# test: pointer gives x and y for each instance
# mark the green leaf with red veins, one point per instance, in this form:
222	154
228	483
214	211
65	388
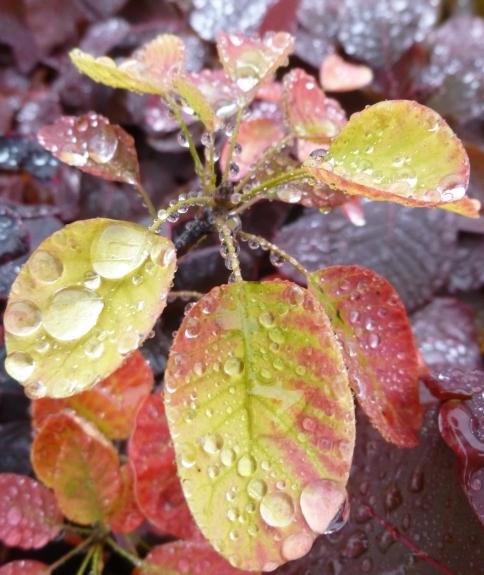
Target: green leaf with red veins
398	151
29	516
249	61
25	567
111	405
255	137
86	298
150	70
379	350
262	418
338	75
93	145
311	115
187	558
127	515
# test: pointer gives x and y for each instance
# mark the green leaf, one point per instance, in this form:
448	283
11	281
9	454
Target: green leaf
196	100
86	298
150	70
262	418
397	151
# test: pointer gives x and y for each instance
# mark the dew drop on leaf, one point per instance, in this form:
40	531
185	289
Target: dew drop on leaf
277	509
45	267
19	365
22	318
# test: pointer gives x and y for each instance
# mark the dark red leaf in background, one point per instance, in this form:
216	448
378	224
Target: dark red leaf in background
24	567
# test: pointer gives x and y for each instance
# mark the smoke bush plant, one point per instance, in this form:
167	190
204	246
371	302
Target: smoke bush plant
259	385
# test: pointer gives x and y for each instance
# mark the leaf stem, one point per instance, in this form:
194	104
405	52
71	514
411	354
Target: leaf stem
266	244
164	214
227	240
264	187
97	563
85	563
232	142
73	552
146	199
136	561
185	294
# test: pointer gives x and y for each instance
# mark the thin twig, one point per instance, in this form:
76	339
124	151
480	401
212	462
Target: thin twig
85	563
148	203
73	552
232	142
165	213
228	240
264	187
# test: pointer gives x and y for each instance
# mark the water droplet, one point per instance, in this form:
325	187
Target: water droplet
14	516
19	365
188	455
212	443
233	366
119	250
277	509
340	519
295	295
192	327
45	267
246	466
227	456
297	545
72	313
320	500
35	390
128	341
22	318
102	145
94	348
92	281
266	319
256	489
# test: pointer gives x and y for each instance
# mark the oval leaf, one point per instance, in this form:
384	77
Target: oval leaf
396	151
187	558
157	487
250	61
196	101
262	419
24	567
87	297
127	515
29	516
149	70
379	350
111	405
93	145
338	75
219	91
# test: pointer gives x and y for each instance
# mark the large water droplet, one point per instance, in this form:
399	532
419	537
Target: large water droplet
19	365
45	267
102	145
73	312
320	501
257	488
212	443
277	509
233	366
118	251
297	545
246	466
22	318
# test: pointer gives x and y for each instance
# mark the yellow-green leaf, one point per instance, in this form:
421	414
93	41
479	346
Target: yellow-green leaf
398	151
195	100
262	418
87	297
149	70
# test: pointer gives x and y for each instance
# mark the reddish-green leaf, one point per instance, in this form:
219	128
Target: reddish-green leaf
149	70
398	151
29	516
187	558
262	418
111	405
24	567
219	91
85	299
157	487
338	75
310	114
127	516
93	145
250	61
379	350
196	101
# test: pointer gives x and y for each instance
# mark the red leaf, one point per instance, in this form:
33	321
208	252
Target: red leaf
24	567
29	516
93	145
127	516
157	487
188	558
380	353
338	75
111	405
282	15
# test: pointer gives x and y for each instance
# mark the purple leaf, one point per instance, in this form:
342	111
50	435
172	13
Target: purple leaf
467	271
454	382
14	239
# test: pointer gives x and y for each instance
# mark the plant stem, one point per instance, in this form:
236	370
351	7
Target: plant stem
228	241
72	553
265	244
97	563
85	563
172	209
232	142
185	294
210	167
136	561
284	178
148	203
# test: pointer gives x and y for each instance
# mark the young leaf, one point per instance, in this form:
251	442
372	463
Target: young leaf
380	353
127	516
85	299
310	114
250	61
111	405
157	487
219	91
93	145
25	567
262	418
397	151
196	101
72	457
150	70
187	558
338	75
29	516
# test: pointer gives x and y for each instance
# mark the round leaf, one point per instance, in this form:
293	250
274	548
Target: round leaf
262	418
378	346
397	151
338	75
29	516
87	297
24	567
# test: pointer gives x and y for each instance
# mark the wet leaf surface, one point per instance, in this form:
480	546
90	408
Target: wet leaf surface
126	516
24	567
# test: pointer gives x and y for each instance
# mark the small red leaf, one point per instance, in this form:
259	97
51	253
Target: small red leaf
219	90
188	558
338	75
24	567
93	145
112	404
157	487
380	353
29	516
127	516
